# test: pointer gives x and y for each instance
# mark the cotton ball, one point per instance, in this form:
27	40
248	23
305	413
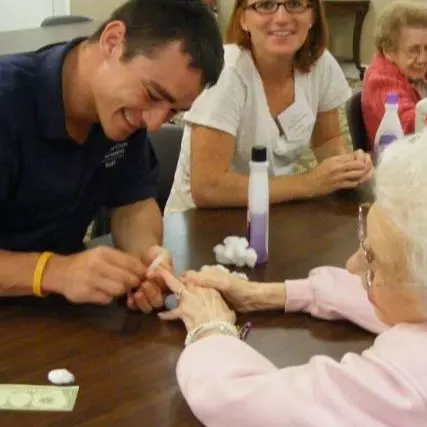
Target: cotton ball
240	256
221	259
60	376
218	249
229	254
231	240
235	251
243	241
219	254
240	262
251	257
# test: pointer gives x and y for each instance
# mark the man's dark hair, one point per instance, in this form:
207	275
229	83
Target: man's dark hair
151	24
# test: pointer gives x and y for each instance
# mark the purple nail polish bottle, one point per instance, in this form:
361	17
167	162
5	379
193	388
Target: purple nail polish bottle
258	203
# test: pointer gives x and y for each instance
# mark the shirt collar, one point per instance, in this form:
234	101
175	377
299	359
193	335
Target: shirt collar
50	105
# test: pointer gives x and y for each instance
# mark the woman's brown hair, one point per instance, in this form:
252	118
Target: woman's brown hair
310	51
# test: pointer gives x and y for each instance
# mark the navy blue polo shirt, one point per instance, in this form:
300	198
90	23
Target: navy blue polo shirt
51	187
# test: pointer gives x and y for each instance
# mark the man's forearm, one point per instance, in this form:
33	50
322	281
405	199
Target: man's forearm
16	273
137	227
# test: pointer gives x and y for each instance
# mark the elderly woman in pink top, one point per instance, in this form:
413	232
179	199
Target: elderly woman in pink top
383	289
400	65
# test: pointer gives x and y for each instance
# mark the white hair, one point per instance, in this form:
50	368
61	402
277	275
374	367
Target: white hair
401	191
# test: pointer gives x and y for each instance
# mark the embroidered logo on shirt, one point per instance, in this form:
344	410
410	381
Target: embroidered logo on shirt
116	152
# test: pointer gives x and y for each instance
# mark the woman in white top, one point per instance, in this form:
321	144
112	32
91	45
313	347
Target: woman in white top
280	88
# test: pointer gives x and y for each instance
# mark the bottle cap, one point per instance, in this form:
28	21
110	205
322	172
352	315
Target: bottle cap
259	153
391	98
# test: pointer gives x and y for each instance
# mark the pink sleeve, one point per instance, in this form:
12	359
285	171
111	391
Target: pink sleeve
228	384
333	293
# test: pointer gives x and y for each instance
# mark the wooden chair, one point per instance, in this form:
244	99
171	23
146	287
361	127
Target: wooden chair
356	125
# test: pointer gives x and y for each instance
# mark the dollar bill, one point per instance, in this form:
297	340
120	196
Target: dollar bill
17	397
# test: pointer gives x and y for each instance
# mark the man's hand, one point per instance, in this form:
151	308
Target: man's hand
151	292
94	276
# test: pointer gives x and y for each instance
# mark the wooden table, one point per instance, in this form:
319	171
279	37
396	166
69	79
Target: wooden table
360	7
19	41
124	363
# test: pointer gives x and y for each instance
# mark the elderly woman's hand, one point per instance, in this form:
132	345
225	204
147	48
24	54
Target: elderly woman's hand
242	295
196	305
239	293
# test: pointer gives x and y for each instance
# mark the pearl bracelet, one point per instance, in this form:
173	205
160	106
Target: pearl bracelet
226	328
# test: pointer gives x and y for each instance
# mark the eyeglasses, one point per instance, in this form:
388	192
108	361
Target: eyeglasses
269	7
363	214
414	52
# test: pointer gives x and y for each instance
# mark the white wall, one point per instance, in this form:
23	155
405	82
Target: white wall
96	9
21	14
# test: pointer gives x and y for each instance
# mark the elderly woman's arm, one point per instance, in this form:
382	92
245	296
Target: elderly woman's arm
333	293
228	384
328	293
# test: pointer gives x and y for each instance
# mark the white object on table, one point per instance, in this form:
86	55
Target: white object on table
235	250
60	376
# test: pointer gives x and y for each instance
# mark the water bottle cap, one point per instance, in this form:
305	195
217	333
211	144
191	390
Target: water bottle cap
391	98
259	153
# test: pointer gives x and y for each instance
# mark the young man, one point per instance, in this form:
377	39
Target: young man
73	120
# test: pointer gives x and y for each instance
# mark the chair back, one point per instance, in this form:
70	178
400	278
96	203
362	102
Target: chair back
356	125
167	146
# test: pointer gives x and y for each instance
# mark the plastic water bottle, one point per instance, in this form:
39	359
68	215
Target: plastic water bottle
421	115
258	203
390	127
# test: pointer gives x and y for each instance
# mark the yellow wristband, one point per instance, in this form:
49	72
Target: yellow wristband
38	273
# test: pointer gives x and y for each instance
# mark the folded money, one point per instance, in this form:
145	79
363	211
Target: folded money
19	397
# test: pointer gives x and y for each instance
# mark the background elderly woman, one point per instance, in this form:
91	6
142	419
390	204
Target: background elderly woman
384	289
400	65
281	88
